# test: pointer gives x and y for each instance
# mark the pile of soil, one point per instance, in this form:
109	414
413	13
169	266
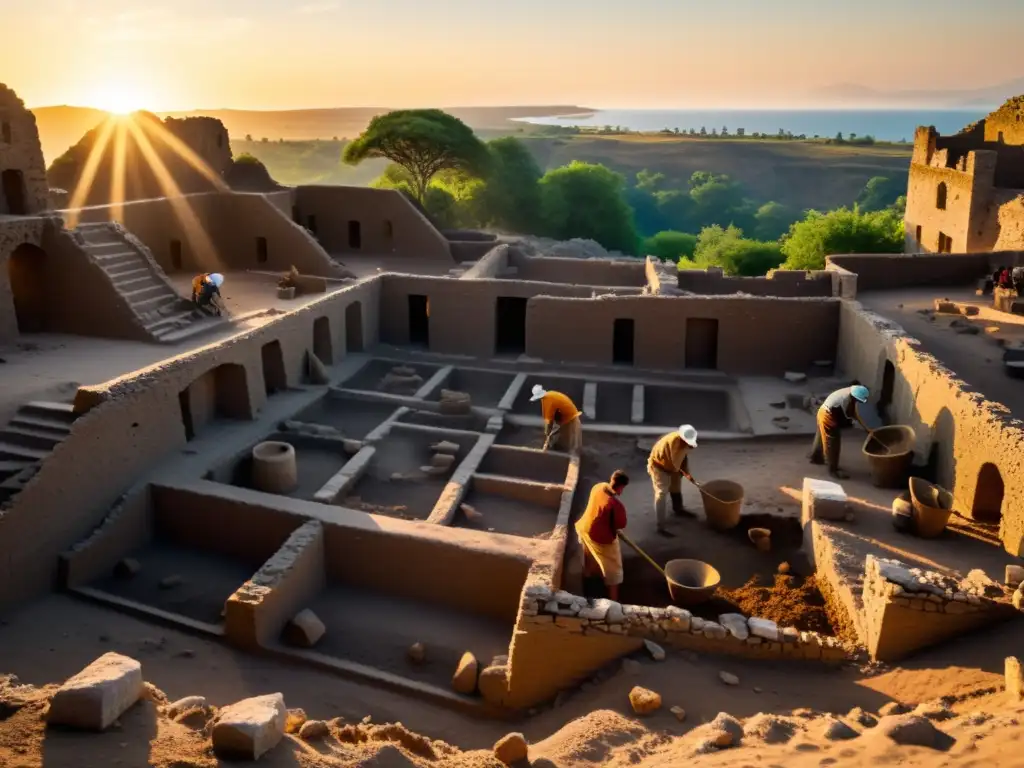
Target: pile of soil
792	601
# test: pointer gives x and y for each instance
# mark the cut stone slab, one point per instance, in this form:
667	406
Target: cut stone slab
823	500
98	695
465	677
304	630
249	728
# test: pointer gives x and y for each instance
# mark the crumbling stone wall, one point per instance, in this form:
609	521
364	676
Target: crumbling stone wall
883	271
20	153
779	282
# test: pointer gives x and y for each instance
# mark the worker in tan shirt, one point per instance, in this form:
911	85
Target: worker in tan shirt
561	420
667	465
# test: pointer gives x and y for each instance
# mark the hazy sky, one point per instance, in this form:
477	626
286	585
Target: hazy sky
273	54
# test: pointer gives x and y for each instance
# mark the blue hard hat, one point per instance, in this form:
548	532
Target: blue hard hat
859	393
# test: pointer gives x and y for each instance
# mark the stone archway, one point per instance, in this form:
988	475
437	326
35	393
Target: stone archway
26	271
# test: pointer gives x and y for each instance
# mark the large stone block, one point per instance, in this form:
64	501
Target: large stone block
823	500
99	694
249	728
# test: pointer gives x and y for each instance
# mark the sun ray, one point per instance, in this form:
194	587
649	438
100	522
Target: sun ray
118	173
92	163
185	152
198	239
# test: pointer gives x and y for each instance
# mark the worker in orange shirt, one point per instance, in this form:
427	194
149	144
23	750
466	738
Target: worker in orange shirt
561	420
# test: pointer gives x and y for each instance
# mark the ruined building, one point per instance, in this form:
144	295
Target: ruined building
966	191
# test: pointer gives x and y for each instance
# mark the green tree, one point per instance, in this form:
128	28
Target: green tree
881	192
449	200
588	200
424	142
736	255
670	246
772	221
844	230
718	200
510	199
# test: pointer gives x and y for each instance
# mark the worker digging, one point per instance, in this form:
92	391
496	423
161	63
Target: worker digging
206	292
667	465
838	412
598	532
561	420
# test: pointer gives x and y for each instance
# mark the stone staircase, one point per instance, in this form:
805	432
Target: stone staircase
136	276
27	439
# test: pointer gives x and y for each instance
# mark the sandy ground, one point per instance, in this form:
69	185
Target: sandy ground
55	637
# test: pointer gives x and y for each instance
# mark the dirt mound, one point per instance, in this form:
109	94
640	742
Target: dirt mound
593	738
791	601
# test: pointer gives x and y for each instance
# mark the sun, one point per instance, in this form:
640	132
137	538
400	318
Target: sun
118	98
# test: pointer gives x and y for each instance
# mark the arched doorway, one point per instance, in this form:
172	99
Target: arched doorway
12	184
988	496
888	388
26	270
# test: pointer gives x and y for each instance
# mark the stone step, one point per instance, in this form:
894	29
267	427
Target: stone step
195	328
106	247
118	255
29	437
170	322
9	451
136	281
145	292
148	305
64	412
55	425
118	269
10	468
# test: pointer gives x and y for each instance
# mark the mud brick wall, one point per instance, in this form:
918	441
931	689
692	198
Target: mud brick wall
783	283
596	272
908	609
131	424
387	223
883	271
13	233
756	336
922	210
21	152
977	442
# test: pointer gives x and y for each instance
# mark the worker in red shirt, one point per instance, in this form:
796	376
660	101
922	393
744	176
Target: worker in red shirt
598	529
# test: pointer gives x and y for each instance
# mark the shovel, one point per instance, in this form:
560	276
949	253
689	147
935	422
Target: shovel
642	554
551	437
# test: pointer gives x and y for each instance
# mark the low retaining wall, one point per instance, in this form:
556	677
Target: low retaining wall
907	609
780	282
881	271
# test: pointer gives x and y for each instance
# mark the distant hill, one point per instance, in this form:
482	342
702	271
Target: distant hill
856	95
61	127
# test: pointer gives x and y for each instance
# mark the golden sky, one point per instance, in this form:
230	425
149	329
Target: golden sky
274	54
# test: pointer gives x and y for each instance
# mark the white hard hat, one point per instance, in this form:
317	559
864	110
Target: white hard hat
689	435
538	392
217	279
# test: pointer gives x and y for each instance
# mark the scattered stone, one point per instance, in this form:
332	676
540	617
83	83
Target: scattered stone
728	678
862	718
679	713
911	731
1014	677
294	719
304	630
442	460
185	704
945	306
631	666
511	749
719	739
493	683
464	679
758	689
351	447
170	582
783	568
644	701
837	730
891	708
151	693
778	404
445	446
249	728
127	568
417	653
794	377
98	695
312	730
656	651
1014	575
470	512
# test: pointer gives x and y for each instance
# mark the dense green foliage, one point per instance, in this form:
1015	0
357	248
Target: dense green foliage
587	200
670	246
726	247
424	142
844	230
510	200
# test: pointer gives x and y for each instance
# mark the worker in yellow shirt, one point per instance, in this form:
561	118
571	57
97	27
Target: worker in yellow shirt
561	420
668	464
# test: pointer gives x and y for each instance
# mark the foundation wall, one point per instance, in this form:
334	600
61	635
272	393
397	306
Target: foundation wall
884	271
596	272
138	421
386	222
782	283
748	335
967	431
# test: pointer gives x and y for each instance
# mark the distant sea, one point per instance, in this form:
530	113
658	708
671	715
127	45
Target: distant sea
884	125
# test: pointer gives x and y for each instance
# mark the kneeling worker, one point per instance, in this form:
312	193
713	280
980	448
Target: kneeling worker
204	288
561	420
835	414
598	530
667	465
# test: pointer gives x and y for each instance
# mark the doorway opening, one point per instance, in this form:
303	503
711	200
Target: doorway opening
323	346
701	343
12	184
311	223
274	377
888	386
510	330
26	270
988	496
355	235
622	341
186	413
419	320
354	327
261	250
176	254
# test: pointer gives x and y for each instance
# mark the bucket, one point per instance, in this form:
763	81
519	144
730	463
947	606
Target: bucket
760	538
890	451
690	582
723	500
932	507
